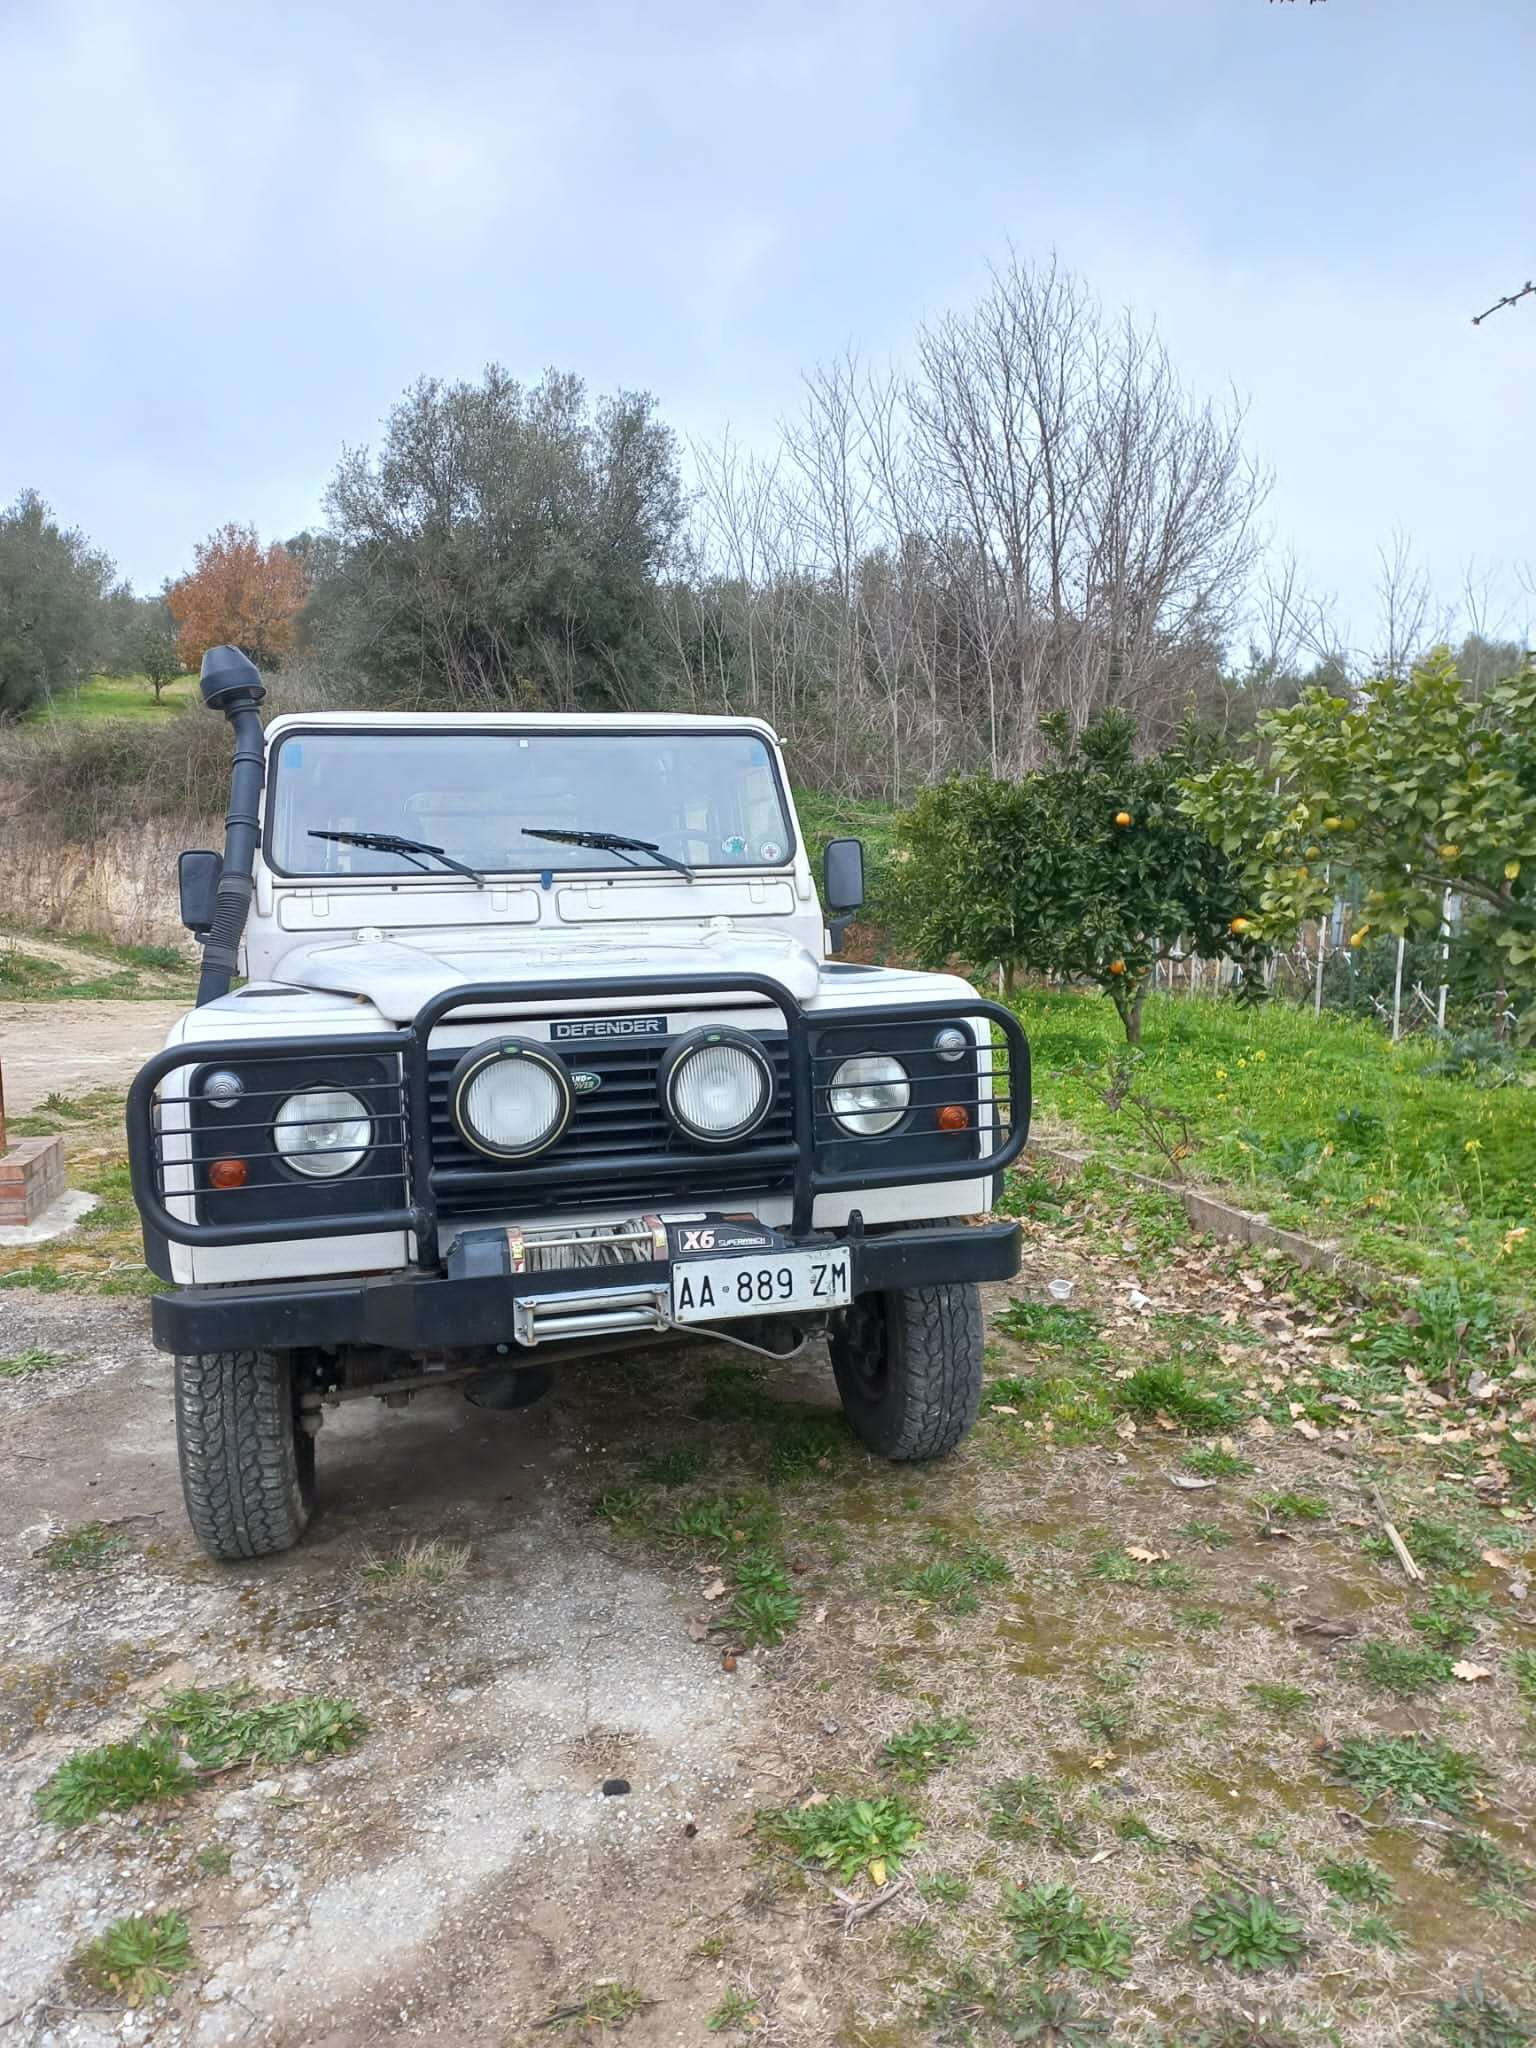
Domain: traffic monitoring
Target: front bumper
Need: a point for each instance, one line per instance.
(465, 1307)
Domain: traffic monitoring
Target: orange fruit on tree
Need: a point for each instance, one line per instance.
(1122, 818)
(1238, 925)
(1117, 967)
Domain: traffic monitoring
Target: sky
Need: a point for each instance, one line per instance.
(230, 236)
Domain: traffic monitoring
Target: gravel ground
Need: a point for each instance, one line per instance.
(463, 1863)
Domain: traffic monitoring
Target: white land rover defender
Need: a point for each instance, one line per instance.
(540, 1054)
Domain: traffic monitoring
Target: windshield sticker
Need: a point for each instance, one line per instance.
(735, 844)
(770, 850)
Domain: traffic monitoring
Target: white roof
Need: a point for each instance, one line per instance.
(548, 721)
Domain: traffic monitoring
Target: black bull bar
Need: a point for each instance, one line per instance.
(1001, 1056)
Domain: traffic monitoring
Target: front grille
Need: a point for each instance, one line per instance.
(621, 1121)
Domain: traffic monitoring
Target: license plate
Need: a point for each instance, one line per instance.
(709, 1290)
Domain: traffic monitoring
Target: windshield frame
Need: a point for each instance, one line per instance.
(529, 877)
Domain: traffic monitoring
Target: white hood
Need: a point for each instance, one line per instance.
(399, 974)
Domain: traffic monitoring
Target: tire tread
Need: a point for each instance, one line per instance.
(244, 1474)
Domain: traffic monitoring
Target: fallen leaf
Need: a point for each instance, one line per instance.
(715, 1590)
(1469, 1674)
(1252, 1282)
(1307, 1429)
(698, 1627)
(1262, 1426)
(1001, 1408)
(1499, 1559)
(1188, 1485)
(877, 1872)
(1144, 1556)
(1125, 1429)
(816, 1799)
(1324, 1625)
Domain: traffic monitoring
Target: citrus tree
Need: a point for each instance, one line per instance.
(1413, 786)
(1088, 868)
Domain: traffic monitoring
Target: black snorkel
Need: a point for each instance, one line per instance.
(231, 683)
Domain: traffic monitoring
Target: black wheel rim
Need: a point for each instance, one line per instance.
(869, 1349)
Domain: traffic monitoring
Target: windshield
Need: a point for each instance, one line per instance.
(709, 799)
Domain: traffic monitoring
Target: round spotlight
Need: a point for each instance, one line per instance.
(717, 1086)
(951, 1043)
(322, 1132)
(870, 1094)
(509, 1099)
(222, 1089)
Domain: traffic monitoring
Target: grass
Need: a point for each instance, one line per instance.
(26, 1365)
(116, 697)
(950, 1581)
(1323, 1123)
(83, 1548)
(1245, 1931)
(112, 1778)
(1475, 2017)
(1210, 1461)
(137, 1958)
(1408, 1770)
(1453, 1619)
(927, 1746)
(1053, 1929)
(420, 1562)
(1293, 1507)
(847, 1835)
(1521, 1666)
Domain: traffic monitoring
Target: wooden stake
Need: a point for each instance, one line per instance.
(1404, 1555)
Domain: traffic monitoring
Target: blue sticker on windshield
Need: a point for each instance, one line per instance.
(735, 844)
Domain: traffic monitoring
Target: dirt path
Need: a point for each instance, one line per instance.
(74, 1048)
(1110, 1650)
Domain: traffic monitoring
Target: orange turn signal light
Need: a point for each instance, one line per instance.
(954, 1116)
(228, 1173)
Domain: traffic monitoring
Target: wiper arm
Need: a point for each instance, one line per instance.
(610, 842)
(390, 842)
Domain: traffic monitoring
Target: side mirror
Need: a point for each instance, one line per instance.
(197, 876)
(843, 874)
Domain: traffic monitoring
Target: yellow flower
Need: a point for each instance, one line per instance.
(1473, 1145)
(1261, 1055)
(1221, 1073)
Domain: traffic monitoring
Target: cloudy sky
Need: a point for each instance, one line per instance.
(231, 234)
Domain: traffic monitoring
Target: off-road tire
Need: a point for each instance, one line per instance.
(908, 1368)
(247, 1468)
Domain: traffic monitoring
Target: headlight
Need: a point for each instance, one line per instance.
(322, 1131)
(870, 1093)
(509, 1099)
(717, 1086)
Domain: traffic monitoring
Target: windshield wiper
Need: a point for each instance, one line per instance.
(390, 842)
(610, 842)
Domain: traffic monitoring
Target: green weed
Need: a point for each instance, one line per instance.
(214, 1860)
(1475, 2017)
(82, 1548)
(1170, 1577)
(1378, 1932)
(1102, 1720)
(1211, 1534)
(137, 1958)
(1198, 1620)
(1358, 1882)
(1167, 1389)
(420, 1562)
(943, 1889)
(1245, 1931)
(764, 1616)
(1521, 1666)
(679, 1465)
(726, 1522)
(927, 1746)
(1209, 1461)
(847, 1835)
(1293, 1507)
(623, 1504)
(1053, 1929)
(26, 1365)
(1115, 1568)
(1048, 1322)
(737, 2010)
(1414, 1770)
(600, 2008)
(112, 1778)
(218, 1728)
(1453, 1617)
(1408, 1672)
(1481, 1858)
(1440, 1546)
(1027, 1810)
